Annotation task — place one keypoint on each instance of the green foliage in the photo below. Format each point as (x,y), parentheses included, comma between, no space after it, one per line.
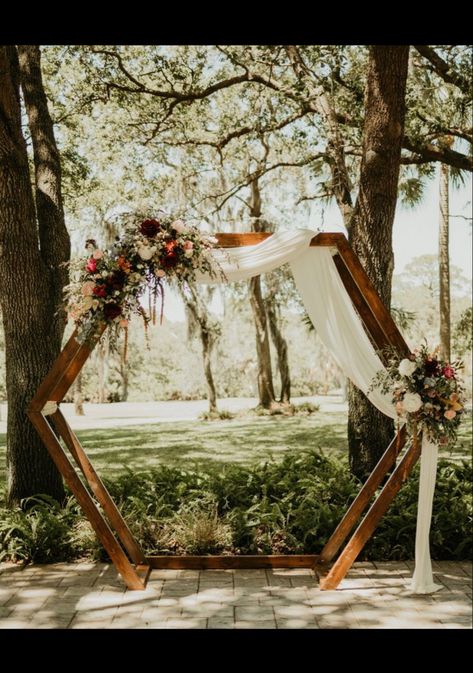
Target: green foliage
(219,415)
(290,506)
(38,531)
(463,332)
(196,528)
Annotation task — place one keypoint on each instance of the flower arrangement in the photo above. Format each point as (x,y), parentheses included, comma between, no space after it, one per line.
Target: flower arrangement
(426,393)
(108,284)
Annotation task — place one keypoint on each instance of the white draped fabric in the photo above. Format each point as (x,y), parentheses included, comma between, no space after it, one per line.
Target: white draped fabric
(340,329)
(423,581)
(337,323)
(253,260)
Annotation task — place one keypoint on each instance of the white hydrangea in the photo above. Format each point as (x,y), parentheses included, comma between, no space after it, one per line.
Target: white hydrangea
(407,367)
(412,402)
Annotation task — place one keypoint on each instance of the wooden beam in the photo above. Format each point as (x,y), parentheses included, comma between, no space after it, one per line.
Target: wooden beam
(83,497)
(74,367)
(361,501)
(252,238)
(51,380)
(233,562)
(98,488)
(368,290)
(363,308)
(367,526)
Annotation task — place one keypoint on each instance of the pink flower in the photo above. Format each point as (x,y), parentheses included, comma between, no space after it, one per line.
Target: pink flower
(91,265)
(160,273)
(450,414)
(188,245)
(448,372)
(88,288)
(97,254)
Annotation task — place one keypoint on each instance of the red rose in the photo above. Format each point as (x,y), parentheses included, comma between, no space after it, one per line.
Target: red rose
(448,372)
(100,291)
(150,228)
(111,311)
(91,265)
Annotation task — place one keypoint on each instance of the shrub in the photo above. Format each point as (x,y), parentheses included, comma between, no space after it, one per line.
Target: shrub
(291,506)
(218,415)
(38,531)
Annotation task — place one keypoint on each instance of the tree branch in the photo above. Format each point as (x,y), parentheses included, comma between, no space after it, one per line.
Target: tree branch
(443,70)
(427,152)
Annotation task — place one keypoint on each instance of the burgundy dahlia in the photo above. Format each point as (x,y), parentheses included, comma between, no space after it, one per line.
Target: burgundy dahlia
(116,280)
(169,261)
(150,228)
(431,367)
(111,311)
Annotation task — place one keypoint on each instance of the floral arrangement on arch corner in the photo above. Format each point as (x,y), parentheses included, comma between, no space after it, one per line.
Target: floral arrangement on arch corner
(108,284)
(426,393)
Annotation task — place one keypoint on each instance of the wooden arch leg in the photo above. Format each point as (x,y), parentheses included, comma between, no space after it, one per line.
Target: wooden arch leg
(98,488)
(134,578)
(371,520)
(361,501)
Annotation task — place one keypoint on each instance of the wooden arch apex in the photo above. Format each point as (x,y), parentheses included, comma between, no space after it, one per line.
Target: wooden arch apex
(106,519)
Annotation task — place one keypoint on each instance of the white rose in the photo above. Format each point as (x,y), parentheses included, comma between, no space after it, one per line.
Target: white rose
(146,252)
(407,367)
(412,402)
(179,226)
(189,253)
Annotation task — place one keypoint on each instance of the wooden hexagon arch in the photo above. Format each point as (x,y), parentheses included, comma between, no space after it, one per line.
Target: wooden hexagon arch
(108,523)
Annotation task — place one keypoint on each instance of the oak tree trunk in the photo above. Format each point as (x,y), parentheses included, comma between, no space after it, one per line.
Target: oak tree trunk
(102,356)
(200,321)
(280,344)
(444,265)
(30,251)
(78,397)
(266,394)
(206,340)
(369,431)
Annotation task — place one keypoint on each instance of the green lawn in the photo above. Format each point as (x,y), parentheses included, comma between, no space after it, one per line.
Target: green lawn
(244,441)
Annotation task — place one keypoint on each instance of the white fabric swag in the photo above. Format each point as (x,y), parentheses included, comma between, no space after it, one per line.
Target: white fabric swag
(340,329)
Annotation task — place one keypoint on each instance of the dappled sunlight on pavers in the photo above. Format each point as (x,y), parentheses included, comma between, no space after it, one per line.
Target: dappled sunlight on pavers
(92,596)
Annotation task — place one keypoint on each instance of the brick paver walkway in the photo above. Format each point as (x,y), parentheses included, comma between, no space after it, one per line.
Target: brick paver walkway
(88,595)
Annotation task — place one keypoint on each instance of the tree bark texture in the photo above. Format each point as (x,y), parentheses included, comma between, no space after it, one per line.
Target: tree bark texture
(202,323)
(370,233)
(53,235)
(280,343)
(78,397)
(444,264)
(266,394)
(28,295)
(103,370)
